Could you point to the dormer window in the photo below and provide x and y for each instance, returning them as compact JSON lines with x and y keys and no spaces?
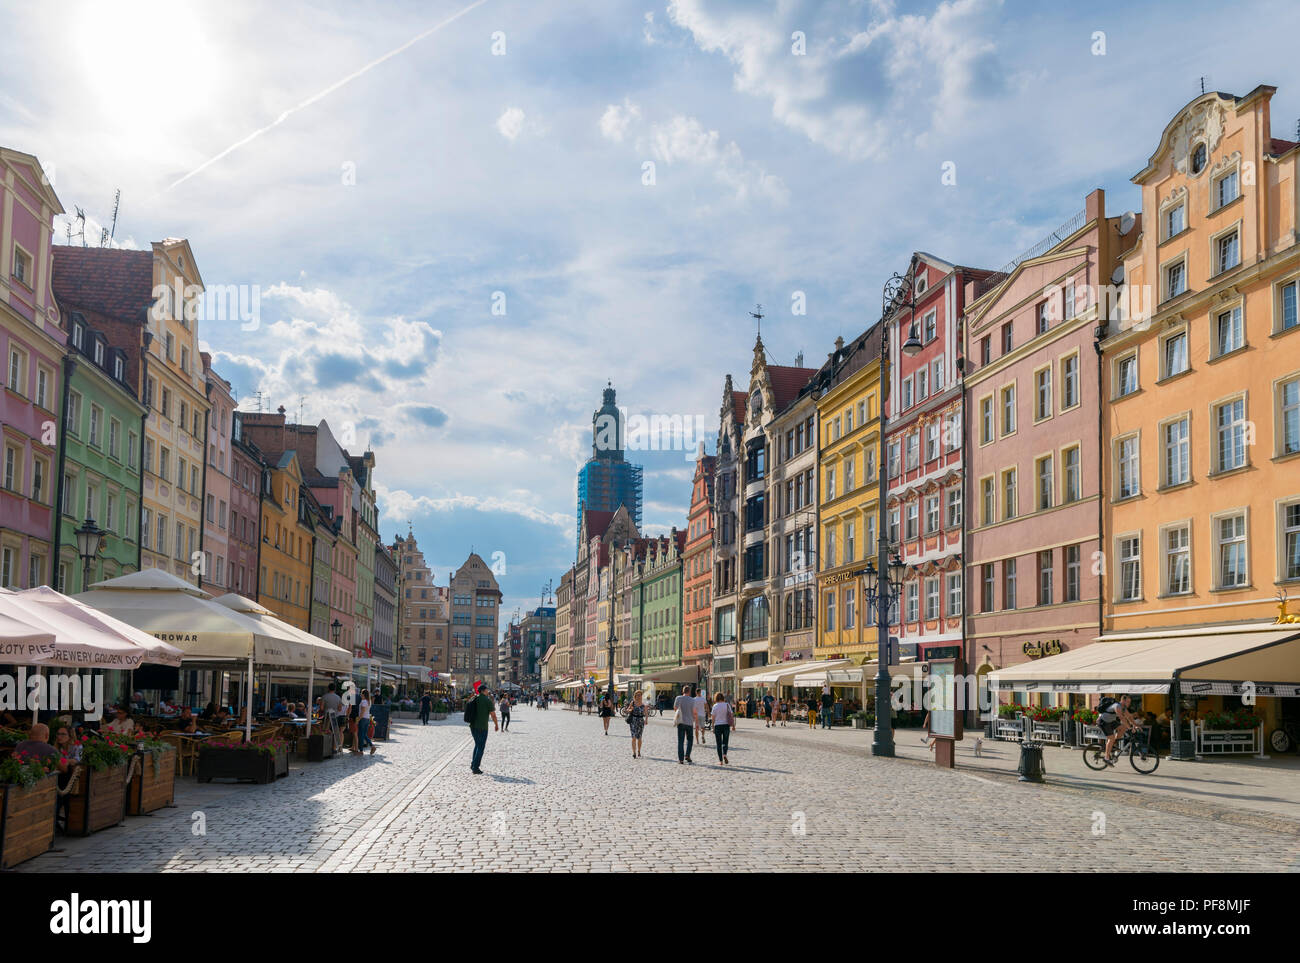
{"x":99,"y":352}
{"x":76,"y":336}
{"x":119,"y":369}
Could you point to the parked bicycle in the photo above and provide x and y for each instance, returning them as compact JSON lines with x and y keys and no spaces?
{"x":1286,"y":738}
{"x":1135,"y":742}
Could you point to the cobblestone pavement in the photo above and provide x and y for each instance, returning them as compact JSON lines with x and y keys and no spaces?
{"x":559,"y":795}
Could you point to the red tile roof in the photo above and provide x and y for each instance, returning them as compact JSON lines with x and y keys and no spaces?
{"x":787,"y":382}
{"x":597,"y":521}
{"x":738,"y":399}
{"x":1280,"y":146}
{"x":111,"y":281}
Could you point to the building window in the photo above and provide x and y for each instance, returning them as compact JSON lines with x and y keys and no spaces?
{"x":1230,"y":429}
{"x":1009,"y":410}
{"x":954,"y":595}
{"x":1042,"y":317}
{"x":912,"y":514}
{"x":986,"y":349}
{"x":1006,"y":338}
{"x":988,"y":497}
{"x":850,"y":543}
{"x":1175,"y":280}
{"x":850,"y":609}
{"x":930,"y":326}
{"x":1126,"y":376}
{"x":1130,"y":569}
{"x":830,"y":611}
{"x":1289,"y":311}
{"x":986,"y":420}
{"x":1009,"y":500}
{"x":922,"y":384}
{"x":954,"y":508}
{"x":1046,"y":572}
{"x":1290,"y":541}
{"x":1228,"y":250}
{"x":1226,"y":189}
{"x":1069,"y":382}
{"x":1073,"y":474}
{"x":1178,"y":560}
{"x":1009,"y":584}
{"x":912,"y":593}
{"x":1073,"y":571}
{"x":1178,"y":456}
{"x":1175,"y":220}
{"x":1231,"y":532}
{"x":1128,"y":465}
{"x":932,"y":599}
{"x":1288,"y":422}
{"x":1175,"y":355}
{"x":932,"y":514}
{"x":1229,"y":333}
{"x":913,"y":451}
{"x":986,"y":587}
{"x":1043,"y":468}
{"x":907,"y":393}
{"x":1042,"y":394}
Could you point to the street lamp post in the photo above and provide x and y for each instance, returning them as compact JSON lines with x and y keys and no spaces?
{"x":88,"y":536}
{"x":888,"y":572}
{"x":401,"y":664}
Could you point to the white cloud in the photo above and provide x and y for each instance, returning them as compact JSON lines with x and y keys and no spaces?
{"x":684,"y":140}
{"x":616,"y":120}
{"x":511,"y":123}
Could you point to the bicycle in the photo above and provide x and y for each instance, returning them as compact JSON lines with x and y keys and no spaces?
{"x":1140,"y":754}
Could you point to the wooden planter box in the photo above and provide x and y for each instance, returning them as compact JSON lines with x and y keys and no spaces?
{"x":238,"y":764}
{"x":317,"y":747}
{"x":26,"y":820}
{"x":148,"y":791}
{"x":99,"y":800}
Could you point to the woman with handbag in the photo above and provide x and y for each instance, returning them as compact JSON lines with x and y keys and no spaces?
{"x":636,"y":717}
{"x":606,"y":711}
{"x":723,"y":719}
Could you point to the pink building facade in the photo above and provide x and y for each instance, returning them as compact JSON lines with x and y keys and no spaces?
{"x":924,"y":508}
{"x":217,"y":494}
{"x":32,"y":346}
{"x":1032,"y":387}
{"x":244,"y":535}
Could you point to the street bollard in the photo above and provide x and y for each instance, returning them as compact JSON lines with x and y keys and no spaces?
{"x":1031,"y":762}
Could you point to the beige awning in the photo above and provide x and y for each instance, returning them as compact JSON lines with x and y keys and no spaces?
{"x":326,"y":657}
{"x":853,"y":675}
{"x":680,"y":673}
{"x":1212,"y":660}
{"x":785,"y":672}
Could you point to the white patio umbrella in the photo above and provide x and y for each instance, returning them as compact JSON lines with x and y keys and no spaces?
{"x":44,"y":599}
{"x":178,"y":613}
{"x":325,"y":656}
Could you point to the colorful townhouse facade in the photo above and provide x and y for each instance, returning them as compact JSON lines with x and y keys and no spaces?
{"x":99,"y":451}
{"x":1033,"y":454}
{"x":697,"y":568}
{"x":792,"y":528}
{"x":215,"y":576}
{"x":659,"y":612}
{"x":848,"y":440}
{"x":1201,"y":381}
{"x":924,"y":448}
{"x":726,"y":547}
{"x":32,"y":346}
{"x":476,"y":611}
{"x":286,"y":563}
{"x":244,"y":542}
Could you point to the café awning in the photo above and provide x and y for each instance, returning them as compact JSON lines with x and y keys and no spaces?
{"x":785,"y":673}
{"x":326,"y":657}
{"x":1211,"y":660}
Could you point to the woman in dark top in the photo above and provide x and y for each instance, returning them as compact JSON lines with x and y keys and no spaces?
{"x":606,"y":711}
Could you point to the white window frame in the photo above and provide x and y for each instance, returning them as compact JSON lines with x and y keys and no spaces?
{"x":1183,"y":526}
{"x":1134,"y":560}
{"x":1219,"y":542}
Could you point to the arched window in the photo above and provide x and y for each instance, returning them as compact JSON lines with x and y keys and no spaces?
{"x":754,"y":620}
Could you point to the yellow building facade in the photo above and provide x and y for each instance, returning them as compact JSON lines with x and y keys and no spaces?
{"x":1201,"y":380}
{"x":176,"y":426}
{"x":286,"y":542}
{"x":848,"y":463}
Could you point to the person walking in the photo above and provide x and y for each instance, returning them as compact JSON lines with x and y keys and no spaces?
{"x":701,"y":716}
{"x":331,"y":704}
{"x":684,"y":713}
{"x":477,"y":714}
{"x":751,"y":706}
{"x":812,"y":712}
{"x":828,"y":701}
{"x":606,"y":711}
{"x":425,"y":705}
{"x":590,"y":700}
{"x":505,"y":712}
{"x":636,"y":717}
{"x":767,"y":709}
{"x":723,"y":719}
{"x":363,"y":725}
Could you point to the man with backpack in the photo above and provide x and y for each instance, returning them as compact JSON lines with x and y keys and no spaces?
{"x":478,"y":711}
{"x":1115,"y":719}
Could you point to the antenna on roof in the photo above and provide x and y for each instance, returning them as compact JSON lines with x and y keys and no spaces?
{"x":798,"y":360}
{"x":106,"y":234}
{"x":258,"y":396}
{"x":1202,"y":85}
{"x":81,"y":227}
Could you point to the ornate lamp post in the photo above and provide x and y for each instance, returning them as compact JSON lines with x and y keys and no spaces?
{"x":897,"y":295}
{"x":89,"y":536}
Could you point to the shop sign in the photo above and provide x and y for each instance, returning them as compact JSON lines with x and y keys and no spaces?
{"x":1227,"y":738}
{"x":840,"y":577}
{"x":1036,"y":650}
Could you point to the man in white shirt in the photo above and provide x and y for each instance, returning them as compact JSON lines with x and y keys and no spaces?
{"x":332,"y":705}
{"x":684,"y":708}
{"x":701,"y":714}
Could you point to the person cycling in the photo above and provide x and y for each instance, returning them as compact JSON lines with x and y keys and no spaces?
{"x":1115,"y":719}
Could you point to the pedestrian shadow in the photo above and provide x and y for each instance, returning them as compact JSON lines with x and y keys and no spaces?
{"x":519,"y":780}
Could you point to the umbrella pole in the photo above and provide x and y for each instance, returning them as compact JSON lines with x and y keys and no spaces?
{"x":36,"y":705}
{"x":311,"y":681}
{"x":248,"y":704}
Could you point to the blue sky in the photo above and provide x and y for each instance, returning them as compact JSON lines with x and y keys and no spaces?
{"x":379,"y":217}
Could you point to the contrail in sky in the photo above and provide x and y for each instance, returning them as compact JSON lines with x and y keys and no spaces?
{"x":324,"y":93}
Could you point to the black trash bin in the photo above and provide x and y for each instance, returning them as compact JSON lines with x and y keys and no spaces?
{"x":380,"y":714}
{"x":1031,"y":762}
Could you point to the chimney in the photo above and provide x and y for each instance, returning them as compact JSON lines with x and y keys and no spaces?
{"x":284,"y":434}
{"x":1095,"y":206}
